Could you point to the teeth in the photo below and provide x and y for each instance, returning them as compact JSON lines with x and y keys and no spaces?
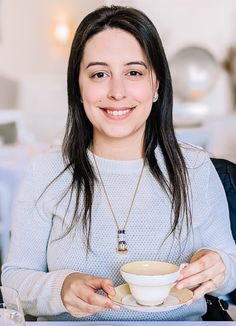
{"x":116,"y":113}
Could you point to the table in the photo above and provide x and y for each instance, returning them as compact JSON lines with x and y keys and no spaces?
{"x":133,"y":323}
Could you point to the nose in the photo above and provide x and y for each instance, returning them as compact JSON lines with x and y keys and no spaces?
{"x":116,"y":89}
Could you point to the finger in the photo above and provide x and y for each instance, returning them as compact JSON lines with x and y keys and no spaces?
{"x":78,"y":313}
{"x":77,"y":304}
{"x":203,"y":289}
{"x":95,"y":299}
{"x":101,"y":301}
{"x":109,"y":289}
{"x":207,"y":258}
{"x":82,"y":306}
{"x":203,"y":265}
{"x":207,"y":287}
{"x":195,"y":267}
{"x":205,"y":275}
{"x":195,"y":279}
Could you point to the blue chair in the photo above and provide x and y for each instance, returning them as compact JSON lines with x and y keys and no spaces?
{"x":227,"y":174}
{"x":216,"y":307}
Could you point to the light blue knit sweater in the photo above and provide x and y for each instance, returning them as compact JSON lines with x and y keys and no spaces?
{"x":37,"y":265}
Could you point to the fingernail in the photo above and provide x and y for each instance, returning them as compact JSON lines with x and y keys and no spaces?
{"x":111,"y":290}
{"x":179,"y":286}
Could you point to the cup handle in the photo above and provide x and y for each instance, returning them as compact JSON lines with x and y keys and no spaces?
{"x":182,"y":266}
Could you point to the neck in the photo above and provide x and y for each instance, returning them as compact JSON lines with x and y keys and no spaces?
{"x":118,"y":149}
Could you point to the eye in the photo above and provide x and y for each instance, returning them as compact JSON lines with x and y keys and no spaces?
{"x":134,"y":73}
{"x":99,"y":75}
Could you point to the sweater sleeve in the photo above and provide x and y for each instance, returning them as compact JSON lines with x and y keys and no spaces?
{"x":217,"y":234}
{"x":26,"y":266}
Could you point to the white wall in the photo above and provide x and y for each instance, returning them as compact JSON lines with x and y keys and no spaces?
{"x":209,"y":23}
{"x":30,"y":54}
{"x":27,"y":46}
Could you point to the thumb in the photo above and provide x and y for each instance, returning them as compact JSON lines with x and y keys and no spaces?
{"x":109,"y":288}
{"x":104,"y":284}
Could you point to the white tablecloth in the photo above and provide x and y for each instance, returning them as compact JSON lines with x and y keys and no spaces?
{"x":134,"y":323}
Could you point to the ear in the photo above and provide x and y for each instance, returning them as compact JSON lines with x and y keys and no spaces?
{"x":157,"y":86}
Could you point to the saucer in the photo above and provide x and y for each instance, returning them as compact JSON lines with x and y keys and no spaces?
{"x":176,"y":299}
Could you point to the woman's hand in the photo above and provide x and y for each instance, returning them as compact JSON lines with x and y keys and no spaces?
{"x":204,"y":274}
{"x":79,"y":295}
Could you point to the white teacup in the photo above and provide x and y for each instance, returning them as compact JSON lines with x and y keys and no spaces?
{"x":150,"y":281}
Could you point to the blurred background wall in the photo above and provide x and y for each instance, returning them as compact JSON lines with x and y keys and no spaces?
{"x":31,"y":54}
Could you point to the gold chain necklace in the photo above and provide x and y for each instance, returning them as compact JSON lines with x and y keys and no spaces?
{"x":122,"y":247}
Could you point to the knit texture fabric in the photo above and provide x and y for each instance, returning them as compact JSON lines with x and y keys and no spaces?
{"x":39,"y":259}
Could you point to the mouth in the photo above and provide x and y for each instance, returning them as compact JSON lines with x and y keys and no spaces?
{"x":117,"y":112}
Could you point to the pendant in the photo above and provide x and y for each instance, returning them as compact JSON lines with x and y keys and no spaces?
{"x":122,"y":245}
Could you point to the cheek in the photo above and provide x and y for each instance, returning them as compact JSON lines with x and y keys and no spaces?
{"x":91,"y":100}
{"x":87,"y":91}
{"x":143,"y":93}
{"x":90,"y":113}
{"x":92,"y":94}
{"x":144,"y":96}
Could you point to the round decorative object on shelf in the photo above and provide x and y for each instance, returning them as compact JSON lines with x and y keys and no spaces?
{"x":194,"y":73}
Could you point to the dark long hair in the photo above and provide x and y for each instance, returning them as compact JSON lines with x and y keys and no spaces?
{"x":159,"y":128}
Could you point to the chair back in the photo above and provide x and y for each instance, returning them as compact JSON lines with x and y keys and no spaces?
{"x":227,"y":174}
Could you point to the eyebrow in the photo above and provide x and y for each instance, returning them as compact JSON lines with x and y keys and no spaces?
{"x":100,"y":63}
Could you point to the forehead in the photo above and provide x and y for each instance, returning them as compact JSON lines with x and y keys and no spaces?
{"x":113,"y":44}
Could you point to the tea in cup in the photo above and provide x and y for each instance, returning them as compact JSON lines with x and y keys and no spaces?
{"x":150,"y":281}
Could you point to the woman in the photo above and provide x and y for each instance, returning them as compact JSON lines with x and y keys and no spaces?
{"x":121,"y":174}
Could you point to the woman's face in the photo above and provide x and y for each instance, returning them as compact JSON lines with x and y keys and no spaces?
{"x":117,"y":85}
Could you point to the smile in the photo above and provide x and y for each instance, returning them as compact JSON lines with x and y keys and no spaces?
{"x":118,"y":112}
